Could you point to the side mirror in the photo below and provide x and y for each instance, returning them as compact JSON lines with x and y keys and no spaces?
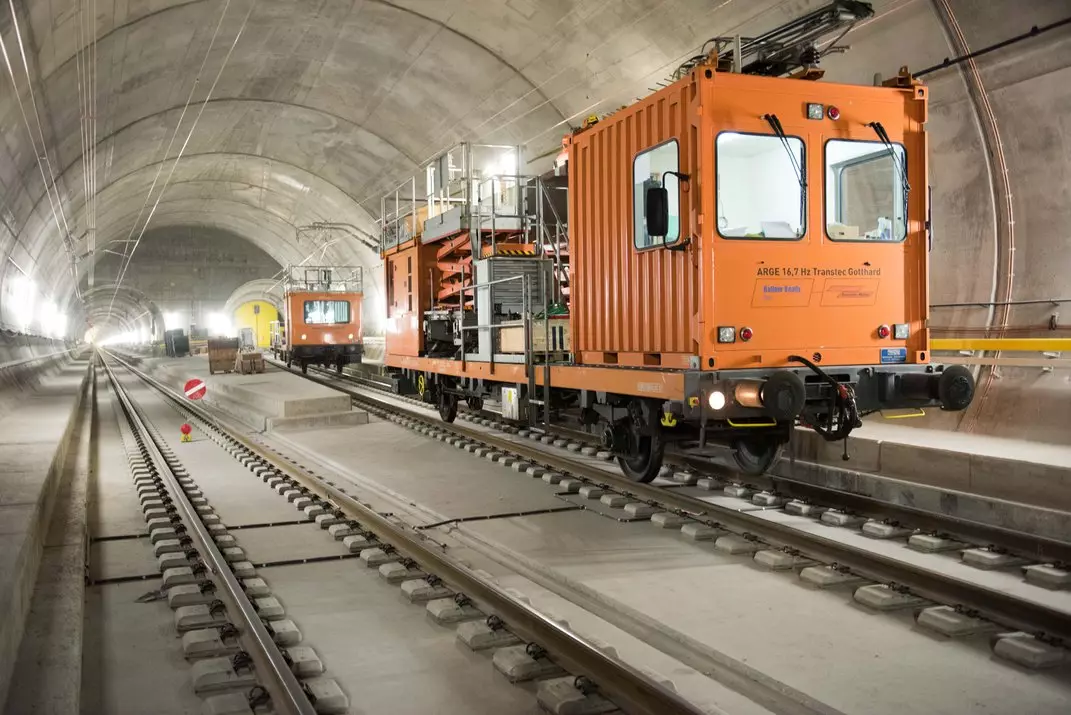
{"x":656,"y":211}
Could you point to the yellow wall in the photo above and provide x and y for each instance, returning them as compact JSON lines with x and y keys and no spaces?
{"x":245,"y":318}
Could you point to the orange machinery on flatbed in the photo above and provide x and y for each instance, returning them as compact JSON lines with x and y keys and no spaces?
{"x":322,"y":317}
{"x":738,"y":254}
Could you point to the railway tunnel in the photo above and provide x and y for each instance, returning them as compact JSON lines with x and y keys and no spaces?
{"x":670,"y":355}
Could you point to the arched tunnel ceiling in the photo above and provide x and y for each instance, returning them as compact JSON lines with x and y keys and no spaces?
{"x":322,"y":104}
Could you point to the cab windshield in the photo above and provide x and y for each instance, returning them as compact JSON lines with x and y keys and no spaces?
{"x":866,"y":198}
{"x":760,"y":195}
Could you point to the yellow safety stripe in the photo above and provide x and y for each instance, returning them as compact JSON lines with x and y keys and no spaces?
{"x":1042,"y":345}
{"x":750,"y":424}
{"x":511,"y":252}
{"x":904,"y":415}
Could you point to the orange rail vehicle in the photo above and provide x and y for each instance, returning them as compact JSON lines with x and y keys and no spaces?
{"x":743,"y":254}
{"x":322,"y":314}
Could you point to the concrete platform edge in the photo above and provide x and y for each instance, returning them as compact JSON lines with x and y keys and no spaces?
{"x":15,"y":602}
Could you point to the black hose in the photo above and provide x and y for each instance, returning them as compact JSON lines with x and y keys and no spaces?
{"x":843,"y":414}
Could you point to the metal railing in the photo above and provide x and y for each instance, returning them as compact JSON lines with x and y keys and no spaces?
{"x":448,"y":183}
{"x":526,"y":322}
{"x":326,"y":279}
{"x":532,"y":207}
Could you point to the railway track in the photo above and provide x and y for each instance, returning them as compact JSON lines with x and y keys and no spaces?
{"x":532,"y":644}
{"x":967,"y":599}
{"x":1026,"y":538}
{"x":208,"y":584}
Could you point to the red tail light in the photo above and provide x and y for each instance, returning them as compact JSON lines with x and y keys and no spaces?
{"x":884,"y":331}
{"x":746,"y":334}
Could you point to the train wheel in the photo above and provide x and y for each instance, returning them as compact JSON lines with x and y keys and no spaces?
{"x":646,"y":446}
{"x":289,"y":362}
{"x":338,"y":366}
{"x":755,"y":455}
{"x":304,"y":368}
{"x":447,"y":406}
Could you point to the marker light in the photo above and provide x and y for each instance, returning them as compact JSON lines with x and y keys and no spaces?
{"x":883,"y":331}
{"x":901,"y":331}
{"x":833,"y":113}
{"x":351,"y":336}
{"x":304,"y":336}
{"x":716,"y":400}
{"x":726,"y":334}
{"x":746,"y":334}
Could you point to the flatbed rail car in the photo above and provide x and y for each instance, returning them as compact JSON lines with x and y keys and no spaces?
{"x":740,"y":255}
{"x":322,"y":317}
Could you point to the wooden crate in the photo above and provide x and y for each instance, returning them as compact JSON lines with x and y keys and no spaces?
{"x":555,"y":340}
{"x":221,"y":354}
{"x":249,"y":363}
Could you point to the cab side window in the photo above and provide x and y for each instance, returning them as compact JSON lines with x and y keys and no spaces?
{"x":648,"y":171}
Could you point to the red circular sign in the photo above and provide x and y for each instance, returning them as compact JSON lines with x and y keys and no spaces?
{"x":185,"y":429}
{"x":195,"y":389}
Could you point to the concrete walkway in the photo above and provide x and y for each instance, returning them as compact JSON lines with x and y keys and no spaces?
{"x":35,"y":440}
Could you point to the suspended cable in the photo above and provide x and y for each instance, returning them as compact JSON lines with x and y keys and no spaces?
{"x":55,"y":204}
{"x":185,"y":143}
{"x":170,"y":144}
{"x":37,"y":114}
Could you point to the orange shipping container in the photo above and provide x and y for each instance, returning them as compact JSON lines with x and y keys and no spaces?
{"x":631,"y":304}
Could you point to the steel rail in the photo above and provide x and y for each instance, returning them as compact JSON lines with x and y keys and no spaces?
{"x":1001,"y":607}
{"x":619,"y":682}
{"x":1029,"y":545}
{"x":287,"y":695}
{"x":1032,"y":546}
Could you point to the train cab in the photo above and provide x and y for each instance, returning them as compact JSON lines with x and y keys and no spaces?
{"x":322,"y":308}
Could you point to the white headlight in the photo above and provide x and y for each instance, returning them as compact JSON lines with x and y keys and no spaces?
{"x":726,"y":334}
{"x":351,"y":336}
{"x":716,"y":400}
{"x":303,"y":336}
{"x":901,"y":331}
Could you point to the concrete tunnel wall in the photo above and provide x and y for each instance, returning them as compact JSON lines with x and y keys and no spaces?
{"x":324,"y":105}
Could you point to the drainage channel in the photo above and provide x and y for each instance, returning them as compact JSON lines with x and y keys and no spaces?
{"x":527,"y":644}
{"x":1039,"y":631}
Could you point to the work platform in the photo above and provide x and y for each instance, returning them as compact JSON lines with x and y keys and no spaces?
{"x":275,"y":399}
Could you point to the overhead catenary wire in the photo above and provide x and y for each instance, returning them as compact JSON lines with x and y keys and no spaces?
{"x":185,"y":143}
{"x":170,"y":144}
{"x":47,"y":178}
{"x":588,"y":109}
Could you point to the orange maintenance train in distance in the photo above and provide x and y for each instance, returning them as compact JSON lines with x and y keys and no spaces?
{"x":734,"y":255}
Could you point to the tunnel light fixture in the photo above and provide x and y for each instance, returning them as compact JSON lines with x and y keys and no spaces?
{"x":220,"y":324}
{"x":23,"y":295}
{"x":172,"y":320}
{"x":51,"y":320}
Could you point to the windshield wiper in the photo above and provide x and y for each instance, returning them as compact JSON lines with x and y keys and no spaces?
{"x":775,"y":124}
{"x":900,"y":168}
